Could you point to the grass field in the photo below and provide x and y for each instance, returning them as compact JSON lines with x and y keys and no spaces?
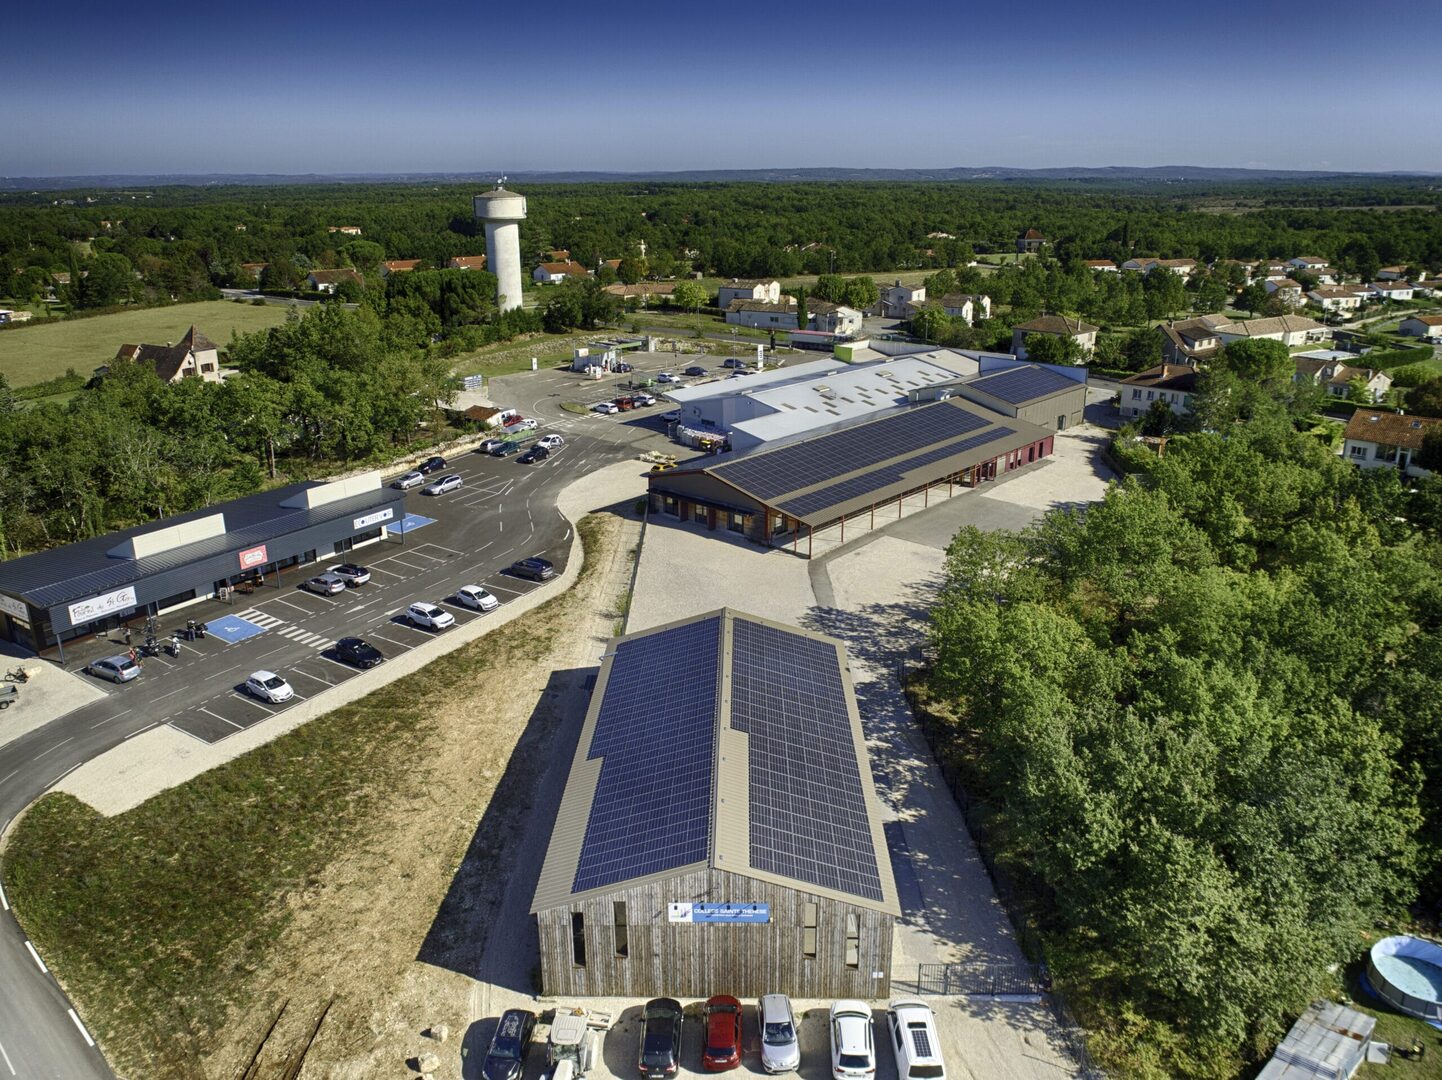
{"x":35,"y":353}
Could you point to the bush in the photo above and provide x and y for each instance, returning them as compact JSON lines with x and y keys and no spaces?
{"x":1412,"y":375}
{"x":1386,"y":359}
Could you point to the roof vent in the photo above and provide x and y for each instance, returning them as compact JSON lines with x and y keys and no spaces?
{"x":1373,"y":418}
{"x":1416,"y":423}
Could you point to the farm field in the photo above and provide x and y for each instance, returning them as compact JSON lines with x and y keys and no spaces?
{"x":37,"y":353}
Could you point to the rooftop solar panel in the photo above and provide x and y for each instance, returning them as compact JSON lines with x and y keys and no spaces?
{"x":799,"y":465}
{"x":1023,"y":384}
{"x":655,"y":735}
{"x":808,"y":814}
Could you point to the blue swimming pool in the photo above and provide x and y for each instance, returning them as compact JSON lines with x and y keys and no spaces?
{"x":1406,"y":972}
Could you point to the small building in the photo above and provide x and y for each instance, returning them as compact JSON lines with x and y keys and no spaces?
{"x":253,"y":270}
{"x":195,"y":356}
{"x":1286,"y":290}
{"x":764,"y":314}
{"x":1338,"y":297}
{"x":720,"y":826}
{"x":1047,"y":395}
{"x":1174,"y":384}
{"x":836,"y":319}
{"x":897,"y":301}
{"x":1310,"y":263}
{"x":1336,"y":376}
{"x":967,"y":306}
{"x":1328,"y":1042}
{"x":764,"y":290}
{"x":348,"y":230}
{"x":1183,"y":268}
{"x":643,"y":291}
{"x":1391,"y":290}
{"x":609,"y":264}
{"x":1290,"y":330}
{"x":1375,"y":438}
{"x":1030,"y":241}
{"x":1427,"y":327}
{"x":1105,"y":265}
{"x":326,"y":280}
{"x":1083,"y":333}
{"x":399,"y":266}
{"x":1392,"y":273}
{"x":553,"y":273}
{"x":466,"y":262}
{"x":559,"y":255}
{"x":1190,"y":341}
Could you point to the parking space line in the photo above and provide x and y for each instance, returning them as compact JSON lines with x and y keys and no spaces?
{"x":36,"y":957}
{"x":204,"y":742}
{"x":226,"y":720}
{"x":287,"y":603}
{"x":322,"y":678}
{"x":417,"y":569}
{"x":249,"y":700}
{"x":453,"y":551}
{"x":509,"y":588}
{"x":426,"y":555}
{"x":377,"y":569}
{"x":88,"y":1040}
{"x":338,"y":663}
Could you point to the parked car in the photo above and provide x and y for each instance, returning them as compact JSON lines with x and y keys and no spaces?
{"x":506,"y":448}
{"x":606,"y":407}
{"x":521,"y":423}
{"x":117,"y":669}
{"x":623,"y":402}
{"x":489,"y":446}
{"x":672,"y":417}
{"x":696,"y":371}
{"x":406,"y":481}
{"x":429,"y":616}
{"x":354,"y":650}
{"x":620,"y":367}
{"x":431,"y":465}
{"x":535,"y":569}
{"x":723,"y":1034}
{"x":325,"y":584}
{"x":853,"y":1057}
{"x":780,"y":1043}
{"x":732,"y":362}
{"x":666,"y":377}
{"x":661,"y":1024}
{"x":443,"y":485}
{"x":551,"y":442}
{"x":476,"y":598}
{"x":268,"y":686}
{"x":912,"y":1026}
{"x":642,"y":400}
{"x":510,"y":1046}
{"x":533,"y":455}
{"x":353,"y":573}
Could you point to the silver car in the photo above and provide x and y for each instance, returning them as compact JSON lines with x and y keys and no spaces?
{"x":117,"y":669}
{"x":780,"y":1046}
{"x":406,"y":481}
{"x":328,"y":584}
{"x":443,"y":485}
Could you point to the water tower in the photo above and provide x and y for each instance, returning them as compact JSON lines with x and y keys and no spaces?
{"x":503,"y":211}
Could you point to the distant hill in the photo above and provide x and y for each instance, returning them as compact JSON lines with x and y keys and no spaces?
{"x":1152,"y":173}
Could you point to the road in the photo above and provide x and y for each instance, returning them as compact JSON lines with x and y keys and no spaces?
{"x":503,"y":512}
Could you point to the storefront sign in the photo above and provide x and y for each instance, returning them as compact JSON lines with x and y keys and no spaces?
{"x":373,"y":519}
{"x":719,"y":913}
{"x":250,"y":558}
{"x":97,"y":607}
{"x":13,"y":607}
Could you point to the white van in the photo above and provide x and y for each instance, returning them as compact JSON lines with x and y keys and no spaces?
{"x":911,"y":1026}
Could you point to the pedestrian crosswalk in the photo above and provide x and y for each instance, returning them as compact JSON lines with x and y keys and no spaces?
{"x":286,"y":630}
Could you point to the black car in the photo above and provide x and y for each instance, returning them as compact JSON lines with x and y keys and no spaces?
{"x":431,"y":464}
{"x":506,"y":448}
{"x":533,"y":455}
{"x":506,"y":1059}
{"x":695,"y":370}
{"x":355,"y":651}
{"x":661,"y":1038}
{"x":535,"y":569}
{"x":621,"y":367}
{"x":732,"y":362}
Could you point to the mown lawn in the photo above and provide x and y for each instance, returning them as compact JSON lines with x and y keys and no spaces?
{"x":34,"y":354}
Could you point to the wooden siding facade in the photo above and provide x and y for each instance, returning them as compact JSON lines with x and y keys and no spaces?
{"x":701,"y":959}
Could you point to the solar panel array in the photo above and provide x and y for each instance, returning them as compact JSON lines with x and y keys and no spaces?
{"x":920,"y":1040}
{"x":856,"y":486}
{"x":1024,"y":384}
{"x":655,"y":735}
{"x":800,"y":465}
{"x":808,"y":807}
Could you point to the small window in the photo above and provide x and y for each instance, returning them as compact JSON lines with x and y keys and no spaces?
{"x":808,"y":930}
{"x":853,"y":940}
{"x":623,"y":943}
{"x":578,"y":939}
{"x":1136,"y":395}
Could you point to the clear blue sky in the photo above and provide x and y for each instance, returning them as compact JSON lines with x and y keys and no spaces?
{"x":170,"y":87}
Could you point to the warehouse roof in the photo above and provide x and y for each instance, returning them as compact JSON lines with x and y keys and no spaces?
{"x":724,"y":741}
{"x":1022,"y":385}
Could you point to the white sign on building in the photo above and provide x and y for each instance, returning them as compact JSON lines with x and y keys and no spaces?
{"x":374,"y":519}
{"x":97,"y":607}
{"x":14,"y":607}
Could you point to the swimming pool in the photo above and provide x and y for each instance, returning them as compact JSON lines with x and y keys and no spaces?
{"x":1406,"y":972}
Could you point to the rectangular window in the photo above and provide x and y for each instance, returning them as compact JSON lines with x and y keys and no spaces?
{"x":853,"y":940}
{"x":1151,"y":395}
{"x":623,"y":940}
{"x":578,"y":939}
{"x":808,"y":930}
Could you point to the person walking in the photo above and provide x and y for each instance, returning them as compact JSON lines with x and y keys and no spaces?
{"x":127,"y":641}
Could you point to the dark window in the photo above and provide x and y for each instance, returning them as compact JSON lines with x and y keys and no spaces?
{"x":623,"y":942}
{"x":853,"y":940}
{"x":578,"y":938}
{"x":808,"y":930}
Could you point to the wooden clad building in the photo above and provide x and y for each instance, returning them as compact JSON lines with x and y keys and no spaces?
{"x":720,"y":832}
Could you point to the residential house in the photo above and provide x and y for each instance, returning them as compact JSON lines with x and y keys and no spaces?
{"x":326,"y":280}
{"x":832,"y":318}
{"x":767,"y":291}
{"x":1392,"y":273}
{"x":898,"y":301}
{"x":1431,"y":288}
{"x":1084,"y":334}
{"x":1310,"y":263}
{"x":466,"y":262}
{"x":1339,"y":297}
{"x":1174,"y":384}
{"x":253,"y":270}
{"x":348,"y":230}
{"x":1375,"y":438}
{"x":398,"y":266}
{"x":1030,"y":241}
{"x":763,"y":314}
{"x":556,"y":255}
{"x":967,"y":306}
{"x":644,"y":291}
{"x":609,"y":264}
{"x":1391,"y":290}
{"x":1183,"y":268}
{"x":195,"y":356}
{"x":1190,"y":341}
{"x":1100,"y":264}
{"x":1290,"y":330}
{"x":1286,"y":290}
{"x":1336,"y":376}
{"x":1426,"y":327}
{"x":553,"y":273}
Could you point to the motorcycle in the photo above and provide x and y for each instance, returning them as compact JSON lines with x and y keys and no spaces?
{"x":19,"y":675}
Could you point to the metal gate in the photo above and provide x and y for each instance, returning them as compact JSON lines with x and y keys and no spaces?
{"x":983,"y":980}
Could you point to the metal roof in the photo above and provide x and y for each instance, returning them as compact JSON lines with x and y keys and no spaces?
{"x":85,"y":568}
{"x":775,"y":376}
{"x":1023,"y":385}
{"x":725,"y":741}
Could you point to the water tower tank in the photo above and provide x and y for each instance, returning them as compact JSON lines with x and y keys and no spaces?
{"x":502,"y":212}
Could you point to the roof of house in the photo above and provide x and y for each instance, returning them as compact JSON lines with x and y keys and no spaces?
{"x":1099,"y":262}
{"x":400,"y":265}
{"x":1056,"y":324}
{"x":1178,"y":377}
{"x":961,"y":299}
{"x":1032,"y":234}
{"x":1022,"y":385}
{"x":467,"y":262}
{"x":1337,"y":292}
{"x":725,"y":741}
{"x":1327,"y":1040}
{"x":789,"y":304}
{"x":1310,"y":260}
{"x":167,"y":359}
{"x":571,"y":269}
{"x":642,"y":288}
{"x":1389,"y":428}
{"x":1280,"y":324}
{"x":335,"y":277}
{"x":1284,"y":284}
{"x":746,"y":283}
{"x":1186,"y":333}
{"x":482,"y":413}
{"x":1391,"y":286}
{"x":1425,"y":320}
{"x":614,"y":264}
{"x":1333,"y":371}
{"x":558,"y":255}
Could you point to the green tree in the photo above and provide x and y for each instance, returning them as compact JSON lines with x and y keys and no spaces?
{"x":862,"y":293}
{"x":365,"y":255}
{"x":108,"y":279}
{"x":1253,"y":298}
{"x":1054,"y":349}
{"x":1429,"y":456}
{"x":1258,"y":360}
{"x":1143,"y":348}
{"x":1426,"y":398}
{"x":690,"y":295}
{"x":632,"y":269}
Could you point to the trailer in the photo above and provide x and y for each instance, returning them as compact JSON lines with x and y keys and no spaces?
{"x":574,"y":1044}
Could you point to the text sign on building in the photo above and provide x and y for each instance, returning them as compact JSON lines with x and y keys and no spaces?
{"x":374,"y":519}
{"x":250,"y":558}
{"x":11,"y":606}
{"x":719,"y":913}
{"x":97,"y":607}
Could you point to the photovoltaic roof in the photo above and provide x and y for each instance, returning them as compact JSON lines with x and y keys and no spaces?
{"x":1021,"y":385}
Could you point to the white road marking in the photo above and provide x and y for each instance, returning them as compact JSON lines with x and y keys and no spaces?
{"x":408,"y":566}
{"x":287,"y":603}
{"x":7,"y":776}
{"x":146,"y":728}
{"x":36,"y":957}
{"x":66,"y":773}
{"x":453,"y":551}
{"x":88,"y":1040}
{"x":7,"y":1060}
{"x":4,"y":904}
{"x":232,"y":723}
{"x":245,"y":697}
{"x":392,"y":573}
{"x":57,"y":746}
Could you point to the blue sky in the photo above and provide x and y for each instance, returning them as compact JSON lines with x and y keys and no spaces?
{"x":160,"y":86}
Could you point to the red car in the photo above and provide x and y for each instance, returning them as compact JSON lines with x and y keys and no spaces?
{"x":723,"y":1034}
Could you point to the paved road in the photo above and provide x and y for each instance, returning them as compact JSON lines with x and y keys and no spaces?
{"x":504,"y":511}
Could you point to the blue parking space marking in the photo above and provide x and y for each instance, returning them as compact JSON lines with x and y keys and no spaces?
{"x":232,"y":628}
{"x":410,"y":523}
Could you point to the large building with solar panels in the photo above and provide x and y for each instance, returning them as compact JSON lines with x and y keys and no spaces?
{"x":720,"y":832}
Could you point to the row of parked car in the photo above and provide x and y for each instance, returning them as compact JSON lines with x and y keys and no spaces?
{"x":910,"y":1025}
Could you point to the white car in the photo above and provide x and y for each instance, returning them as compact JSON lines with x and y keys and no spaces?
{"x":642,"y":400}
{"x":853,"y":1057}
{"x":526,"y":424}
{"x":912,"y":1026}
{"x":429,"y":616}
{"x":666,"y":377}
{"x":406,"y":481}
{"x":606,"y":407}
{"x":268,"y":686}
{"x":477,"y":598}
{"x":780,"y":1043}
{"x":443,"y":485}
{"x":352,"y":573}
{"x":551,"y":442}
